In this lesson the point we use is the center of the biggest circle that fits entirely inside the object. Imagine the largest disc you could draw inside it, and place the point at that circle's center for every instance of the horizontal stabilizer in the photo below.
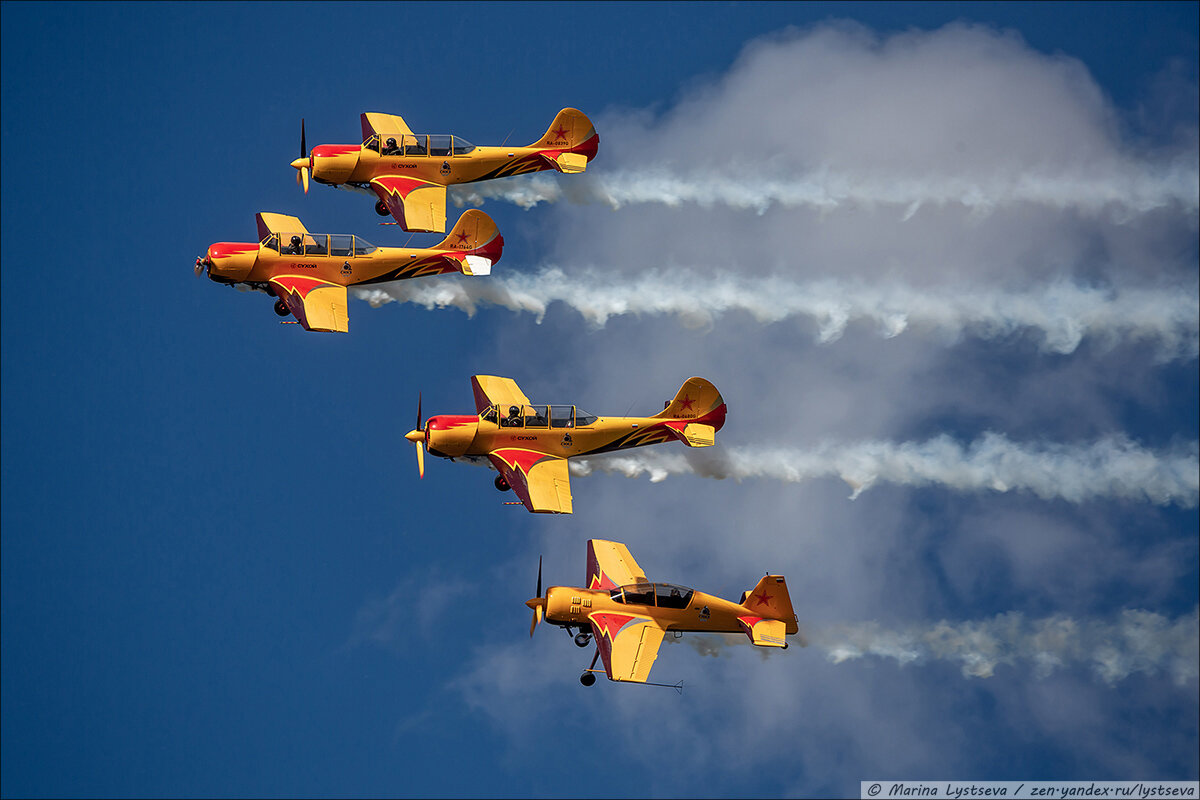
(764, 632)
(696, 434)
(477, 265)
(571, 163)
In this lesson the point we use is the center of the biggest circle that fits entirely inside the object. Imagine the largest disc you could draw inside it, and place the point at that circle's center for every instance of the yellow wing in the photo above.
(609, 565)
(540, 480)
(628, 643)
(384, 125)
(269, 222)
(416, 204)
(316, 304)
(491, 390)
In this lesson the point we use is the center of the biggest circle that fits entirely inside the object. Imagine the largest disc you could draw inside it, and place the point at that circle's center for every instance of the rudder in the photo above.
(477, 238)
(570, 128)
(770, 600)
(696, 399)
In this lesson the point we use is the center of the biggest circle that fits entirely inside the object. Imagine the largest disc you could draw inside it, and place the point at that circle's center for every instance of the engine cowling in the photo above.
(449, 435)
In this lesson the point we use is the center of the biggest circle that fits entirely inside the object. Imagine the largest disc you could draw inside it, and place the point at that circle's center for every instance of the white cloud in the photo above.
(937, 201)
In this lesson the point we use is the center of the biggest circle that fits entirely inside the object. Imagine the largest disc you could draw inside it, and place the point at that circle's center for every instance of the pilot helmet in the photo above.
(391, 142)
(296, 240)
(514, 411)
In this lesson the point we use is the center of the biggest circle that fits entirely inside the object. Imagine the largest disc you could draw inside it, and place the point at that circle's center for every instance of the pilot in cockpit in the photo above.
(392, 149)
(514, 418)
(295, 248)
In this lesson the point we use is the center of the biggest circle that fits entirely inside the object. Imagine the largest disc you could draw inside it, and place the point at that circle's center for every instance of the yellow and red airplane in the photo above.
(628, 616)
(309, 272)
(409, 172)
(529, 445)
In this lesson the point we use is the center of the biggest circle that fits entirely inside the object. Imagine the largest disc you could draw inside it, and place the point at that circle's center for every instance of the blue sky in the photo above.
(221, 576)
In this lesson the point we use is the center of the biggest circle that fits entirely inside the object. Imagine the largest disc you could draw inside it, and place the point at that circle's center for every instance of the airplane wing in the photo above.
(541, 481)
(416, 204)
(318, 305)
(503, 392)
(383, 124)
(269, 223)
(609, 565)
(628, 644)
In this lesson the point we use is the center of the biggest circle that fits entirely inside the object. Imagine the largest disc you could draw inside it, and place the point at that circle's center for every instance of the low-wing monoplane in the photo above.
(529, 444)
(409, 172)
(308, 272)
(628, 616)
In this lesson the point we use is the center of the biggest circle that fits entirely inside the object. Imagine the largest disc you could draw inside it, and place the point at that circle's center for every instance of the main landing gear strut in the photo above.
(589, 677)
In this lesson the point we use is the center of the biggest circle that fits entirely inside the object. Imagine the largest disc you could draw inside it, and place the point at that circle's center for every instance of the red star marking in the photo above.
(686, 405)
(462, 237)
(561, 133)
(763, 599)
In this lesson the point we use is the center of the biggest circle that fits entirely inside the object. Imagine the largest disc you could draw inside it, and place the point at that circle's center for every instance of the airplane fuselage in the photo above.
(254, 263)
(454, 436)
(358, 164)
(568, 606)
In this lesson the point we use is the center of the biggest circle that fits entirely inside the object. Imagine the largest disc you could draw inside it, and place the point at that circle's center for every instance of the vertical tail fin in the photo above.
(571, 141)
(696, 400)
(477, 240)
(769, 614)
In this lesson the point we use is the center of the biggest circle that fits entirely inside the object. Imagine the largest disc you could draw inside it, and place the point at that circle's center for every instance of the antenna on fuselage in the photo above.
(510, 133)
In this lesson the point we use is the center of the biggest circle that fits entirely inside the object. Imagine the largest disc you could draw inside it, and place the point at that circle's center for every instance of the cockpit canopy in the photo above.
(515, 416)
(318, 244)
(663, 595)
(418, 144)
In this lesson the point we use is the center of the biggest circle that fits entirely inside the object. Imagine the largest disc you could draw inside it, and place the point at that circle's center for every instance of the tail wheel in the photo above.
(501, 483)
(583, 640)
(381, 209)
(281, 308)
(587, 678)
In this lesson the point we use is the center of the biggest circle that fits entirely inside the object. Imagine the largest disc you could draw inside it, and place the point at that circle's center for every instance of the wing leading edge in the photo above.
(541, 481)
(316, 304)
(416, 204)
(628, 644)
(492, 390)
(610, 564)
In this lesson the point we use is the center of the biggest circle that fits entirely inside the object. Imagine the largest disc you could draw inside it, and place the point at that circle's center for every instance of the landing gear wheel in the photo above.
(583, 640)
(381, 208)
(501, 484)
(587, 678)
(281, 308)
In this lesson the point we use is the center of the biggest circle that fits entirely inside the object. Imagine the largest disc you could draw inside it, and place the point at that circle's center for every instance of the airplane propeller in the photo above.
(201, 266)
(304, 162)
(417, 437)
(538, 604)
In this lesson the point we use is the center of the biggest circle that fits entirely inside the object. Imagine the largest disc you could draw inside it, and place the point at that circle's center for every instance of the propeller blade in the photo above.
(538, 604)
(303, 144)
(421, 459)
(537, 617)
(419, 426)
(304, 175)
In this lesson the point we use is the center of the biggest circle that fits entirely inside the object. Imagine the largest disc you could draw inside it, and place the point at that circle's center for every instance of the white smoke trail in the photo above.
(1062, 313)
(1125, 190)
(1137, 641)
(1113, 467)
